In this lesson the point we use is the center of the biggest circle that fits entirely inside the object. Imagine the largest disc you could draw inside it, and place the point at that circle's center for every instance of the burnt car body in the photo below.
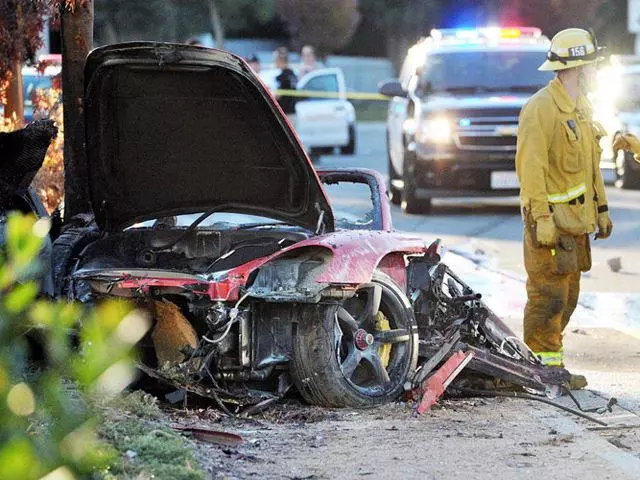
(209, 215)
(22, 153)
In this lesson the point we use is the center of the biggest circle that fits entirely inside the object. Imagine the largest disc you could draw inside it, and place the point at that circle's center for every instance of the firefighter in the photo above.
(629, 142)
(562, 194)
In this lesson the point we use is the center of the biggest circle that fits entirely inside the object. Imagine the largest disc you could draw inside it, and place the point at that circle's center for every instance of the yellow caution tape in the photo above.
(348, 95)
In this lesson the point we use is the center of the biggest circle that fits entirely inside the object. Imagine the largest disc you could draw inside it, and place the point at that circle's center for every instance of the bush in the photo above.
(49, 182)
(47, 422)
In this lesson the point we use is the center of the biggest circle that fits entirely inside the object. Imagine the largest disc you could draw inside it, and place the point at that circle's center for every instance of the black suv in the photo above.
(453, 117)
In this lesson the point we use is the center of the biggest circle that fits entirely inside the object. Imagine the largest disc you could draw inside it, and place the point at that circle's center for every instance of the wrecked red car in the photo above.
(210, 216)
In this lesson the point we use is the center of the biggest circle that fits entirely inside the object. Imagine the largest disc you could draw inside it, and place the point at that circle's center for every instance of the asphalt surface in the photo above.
(490, 229)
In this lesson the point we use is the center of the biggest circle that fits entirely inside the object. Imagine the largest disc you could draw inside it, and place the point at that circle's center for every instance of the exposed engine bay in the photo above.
(212, 342)
(202, 251)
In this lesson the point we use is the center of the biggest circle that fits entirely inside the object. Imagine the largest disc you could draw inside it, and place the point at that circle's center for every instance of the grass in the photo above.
(371, 110)
(145, 448)
(138, 403)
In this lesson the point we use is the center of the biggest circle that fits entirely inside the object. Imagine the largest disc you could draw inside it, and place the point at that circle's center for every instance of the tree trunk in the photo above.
(77, 40)
(15, 100)
(216, 23)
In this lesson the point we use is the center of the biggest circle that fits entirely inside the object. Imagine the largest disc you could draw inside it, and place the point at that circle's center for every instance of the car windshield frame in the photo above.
(477, 71)
(222, 220)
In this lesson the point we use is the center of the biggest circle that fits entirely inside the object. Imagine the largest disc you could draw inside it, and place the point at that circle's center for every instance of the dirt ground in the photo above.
(474, 438)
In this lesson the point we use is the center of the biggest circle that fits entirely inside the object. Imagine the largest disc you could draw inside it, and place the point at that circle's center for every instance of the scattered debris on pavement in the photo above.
(615, 264)
(211, 436)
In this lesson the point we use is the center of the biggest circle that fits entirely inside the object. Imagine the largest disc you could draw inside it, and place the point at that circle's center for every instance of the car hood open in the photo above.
(174, 129)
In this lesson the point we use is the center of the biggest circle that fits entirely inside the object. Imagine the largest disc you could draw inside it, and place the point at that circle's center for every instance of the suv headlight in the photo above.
(435, 130)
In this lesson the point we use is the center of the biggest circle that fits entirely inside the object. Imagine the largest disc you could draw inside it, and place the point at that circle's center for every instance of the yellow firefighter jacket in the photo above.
(558, 160)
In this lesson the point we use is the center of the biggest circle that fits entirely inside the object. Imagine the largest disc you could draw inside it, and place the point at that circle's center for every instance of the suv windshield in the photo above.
(484, 71)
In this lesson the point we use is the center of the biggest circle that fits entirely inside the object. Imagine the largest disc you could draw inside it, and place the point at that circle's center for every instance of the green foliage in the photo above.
(124, 20)
(154, 451)
(176, 20)
(138, 403)
(46, 420)
(368, 111)
(328, 25)
(132, 424)
(238, 15)
(20, 24)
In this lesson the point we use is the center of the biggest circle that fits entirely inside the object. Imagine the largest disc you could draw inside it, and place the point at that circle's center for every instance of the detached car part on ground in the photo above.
(210, 216)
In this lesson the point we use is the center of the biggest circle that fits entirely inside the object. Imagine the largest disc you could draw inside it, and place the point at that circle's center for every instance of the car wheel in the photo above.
(350, 148)
(65, 249)
(627, 172)
(357, 353)
(410, 202)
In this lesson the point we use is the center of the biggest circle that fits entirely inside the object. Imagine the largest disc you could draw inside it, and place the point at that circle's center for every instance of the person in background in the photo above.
(254, 63)
(286, 80)
(309, 64)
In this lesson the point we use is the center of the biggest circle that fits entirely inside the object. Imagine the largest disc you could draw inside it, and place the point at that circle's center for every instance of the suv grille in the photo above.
(481, 128)
(489, 142)
(488, 112)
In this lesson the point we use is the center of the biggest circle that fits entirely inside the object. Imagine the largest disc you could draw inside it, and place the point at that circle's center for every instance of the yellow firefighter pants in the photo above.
(553, 287)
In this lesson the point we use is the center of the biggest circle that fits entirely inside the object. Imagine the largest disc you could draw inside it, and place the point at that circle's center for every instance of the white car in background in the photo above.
(617, 107)
(322, 123)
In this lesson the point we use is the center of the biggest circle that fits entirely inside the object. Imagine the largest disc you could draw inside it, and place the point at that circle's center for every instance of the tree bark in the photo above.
(216, 23)
(77, 41)
(15, 97)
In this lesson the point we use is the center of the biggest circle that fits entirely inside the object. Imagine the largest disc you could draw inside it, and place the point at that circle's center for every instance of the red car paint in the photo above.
(355, 256)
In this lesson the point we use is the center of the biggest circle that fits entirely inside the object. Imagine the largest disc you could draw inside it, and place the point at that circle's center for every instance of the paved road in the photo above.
(493, 226)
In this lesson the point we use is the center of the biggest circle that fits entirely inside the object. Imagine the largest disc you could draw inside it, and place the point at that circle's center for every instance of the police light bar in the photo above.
(486, 34)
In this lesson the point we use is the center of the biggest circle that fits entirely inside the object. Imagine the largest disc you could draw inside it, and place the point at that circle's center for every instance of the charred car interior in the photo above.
(208, 214)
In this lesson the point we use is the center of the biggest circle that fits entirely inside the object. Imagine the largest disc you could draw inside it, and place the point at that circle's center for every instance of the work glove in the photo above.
(546, 231)
(628, 142)
(605, 226)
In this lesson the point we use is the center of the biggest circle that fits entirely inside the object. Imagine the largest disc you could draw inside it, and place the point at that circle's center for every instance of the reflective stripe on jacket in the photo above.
(558, 160)
(551, 359)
